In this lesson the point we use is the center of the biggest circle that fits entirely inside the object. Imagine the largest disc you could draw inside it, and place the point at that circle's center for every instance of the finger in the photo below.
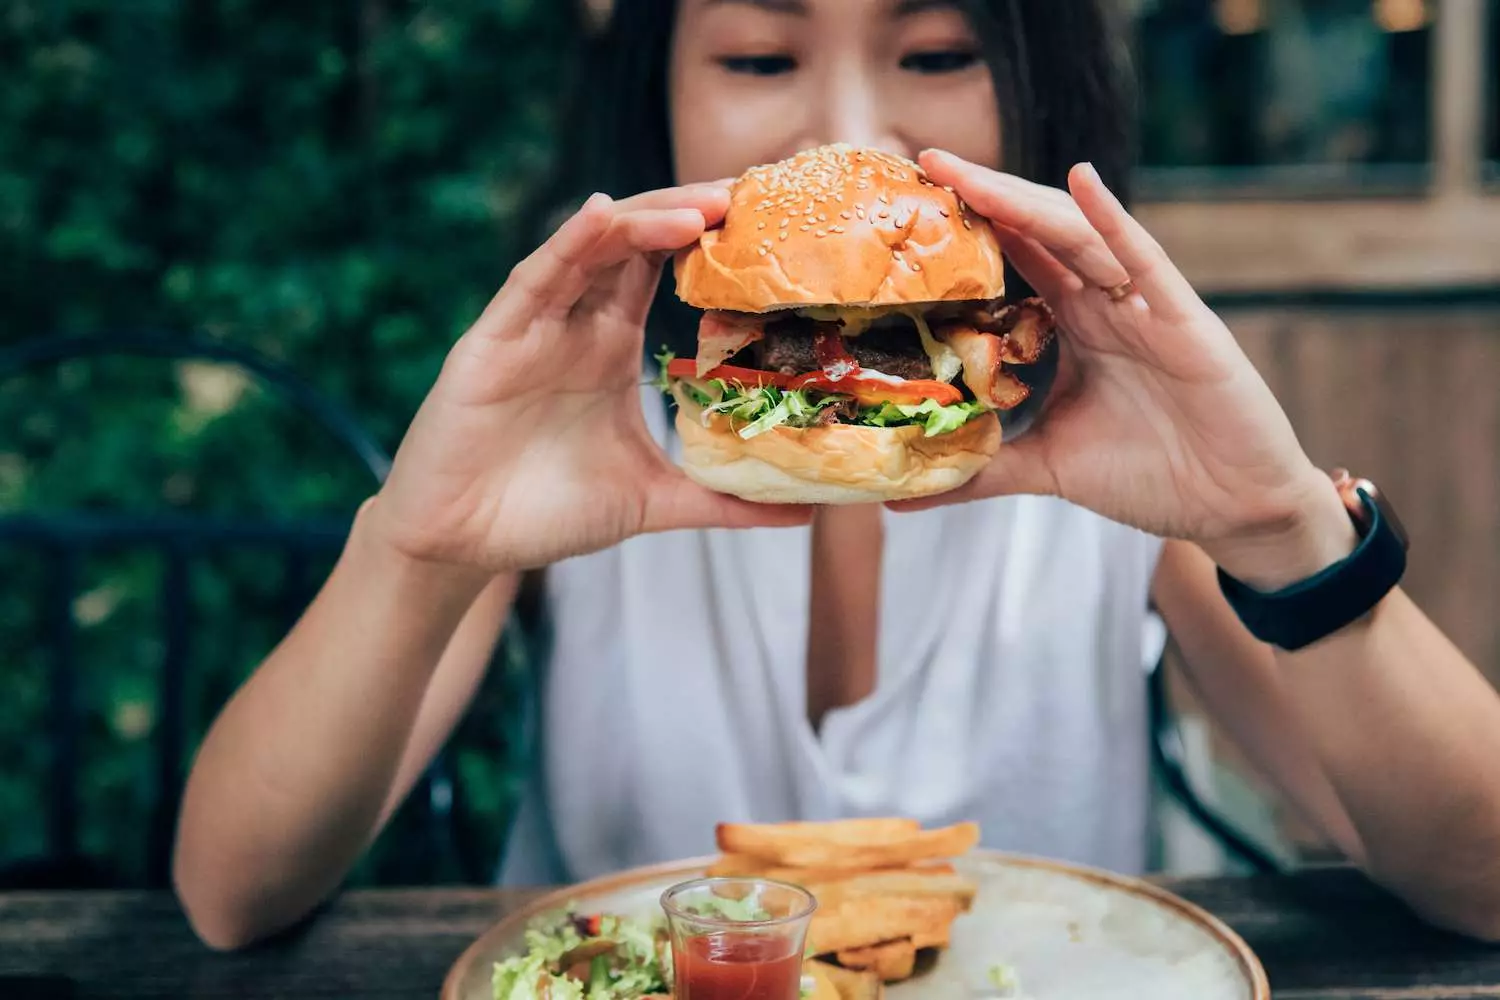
(1042, 271)
(599, 235)
(639, 283)
(627, 293)
(676, 502)
(547, 280)
(711, 199)
(627, 261)
(1018, 468)
(1040, 213)
(647, 231)
(1158, 280)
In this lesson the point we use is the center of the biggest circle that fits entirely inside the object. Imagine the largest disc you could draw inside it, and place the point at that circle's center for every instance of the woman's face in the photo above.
(754, 81)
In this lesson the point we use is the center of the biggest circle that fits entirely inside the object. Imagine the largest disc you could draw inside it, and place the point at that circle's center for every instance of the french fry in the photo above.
(937, 934)
(823, 988)
(810, 846)
(742, 865)
(851, 984)
(885, 890)
(759, 840)
(892, 961)
(919, 882)
(862, 922)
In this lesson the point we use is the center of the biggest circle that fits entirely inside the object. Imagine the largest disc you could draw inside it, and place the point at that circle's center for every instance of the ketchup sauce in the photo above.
(732, 966)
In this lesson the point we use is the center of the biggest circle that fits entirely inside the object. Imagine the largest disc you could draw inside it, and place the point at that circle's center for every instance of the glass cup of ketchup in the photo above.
(737, 938)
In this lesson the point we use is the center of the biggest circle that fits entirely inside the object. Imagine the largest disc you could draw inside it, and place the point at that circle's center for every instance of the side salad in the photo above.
(603, 957)
(588, 957)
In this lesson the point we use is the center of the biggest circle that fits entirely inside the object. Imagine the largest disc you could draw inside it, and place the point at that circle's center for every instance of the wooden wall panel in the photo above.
(1411, 398)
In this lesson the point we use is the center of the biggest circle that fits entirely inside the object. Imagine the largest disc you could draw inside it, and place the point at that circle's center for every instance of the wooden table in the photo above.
(1327, 935)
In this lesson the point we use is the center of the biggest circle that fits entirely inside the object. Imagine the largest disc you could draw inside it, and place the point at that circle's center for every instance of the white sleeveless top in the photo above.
(1010, 690)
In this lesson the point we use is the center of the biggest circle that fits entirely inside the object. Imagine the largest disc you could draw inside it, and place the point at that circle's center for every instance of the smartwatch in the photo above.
(1311, 609)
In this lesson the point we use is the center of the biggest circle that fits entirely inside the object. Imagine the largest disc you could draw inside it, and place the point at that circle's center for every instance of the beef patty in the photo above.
(894, 349)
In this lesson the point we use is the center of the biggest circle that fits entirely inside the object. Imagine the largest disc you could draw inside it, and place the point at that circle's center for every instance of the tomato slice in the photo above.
(873, 391)
(688, 368)
(868, 391)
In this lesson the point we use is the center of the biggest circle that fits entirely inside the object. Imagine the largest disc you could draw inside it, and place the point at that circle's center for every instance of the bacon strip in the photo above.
(1012, 335)
(722, 335)
(983, 355)
(1026, 327)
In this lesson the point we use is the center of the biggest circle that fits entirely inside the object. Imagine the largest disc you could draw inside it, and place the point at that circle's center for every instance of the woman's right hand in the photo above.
(532, 446)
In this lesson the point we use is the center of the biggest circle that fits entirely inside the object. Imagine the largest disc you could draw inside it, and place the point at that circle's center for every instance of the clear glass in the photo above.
(737, 938)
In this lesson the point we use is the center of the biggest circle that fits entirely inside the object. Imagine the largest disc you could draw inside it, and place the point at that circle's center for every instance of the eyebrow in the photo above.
(906, 8)
(902, 8)
(798, 7)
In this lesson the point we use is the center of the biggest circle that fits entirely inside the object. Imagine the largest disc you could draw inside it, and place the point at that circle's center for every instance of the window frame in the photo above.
(1438, 228)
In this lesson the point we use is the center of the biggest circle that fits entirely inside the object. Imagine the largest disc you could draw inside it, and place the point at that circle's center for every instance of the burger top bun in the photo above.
(842, 226)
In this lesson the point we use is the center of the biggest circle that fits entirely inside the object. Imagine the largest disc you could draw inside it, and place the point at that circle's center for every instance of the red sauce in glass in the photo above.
(736, 967)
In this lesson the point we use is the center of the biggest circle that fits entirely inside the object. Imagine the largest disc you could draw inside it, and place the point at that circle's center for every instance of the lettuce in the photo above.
(932, 415)
(663, 358)
(753, 410)
(761, 408)
(635, 968)
(725, 908)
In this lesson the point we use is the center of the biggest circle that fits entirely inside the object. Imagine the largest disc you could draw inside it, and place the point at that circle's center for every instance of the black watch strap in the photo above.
(1311, 609)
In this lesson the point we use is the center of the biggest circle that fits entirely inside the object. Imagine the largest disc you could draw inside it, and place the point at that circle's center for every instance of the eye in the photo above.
(939, 61)
(767, 65)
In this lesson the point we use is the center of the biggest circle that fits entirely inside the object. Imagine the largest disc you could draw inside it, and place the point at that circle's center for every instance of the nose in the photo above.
(852, 111)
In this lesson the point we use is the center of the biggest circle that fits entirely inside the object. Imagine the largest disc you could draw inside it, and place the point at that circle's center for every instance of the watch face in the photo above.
(1355, 492)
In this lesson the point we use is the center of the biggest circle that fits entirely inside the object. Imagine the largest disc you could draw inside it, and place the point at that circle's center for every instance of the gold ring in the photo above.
(1122, 291)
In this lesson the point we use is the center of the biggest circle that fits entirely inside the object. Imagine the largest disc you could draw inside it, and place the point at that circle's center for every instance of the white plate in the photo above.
(1070, 933)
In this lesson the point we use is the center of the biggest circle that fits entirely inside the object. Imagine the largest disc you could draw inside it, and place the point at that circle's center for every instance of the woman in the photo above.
(975, 661)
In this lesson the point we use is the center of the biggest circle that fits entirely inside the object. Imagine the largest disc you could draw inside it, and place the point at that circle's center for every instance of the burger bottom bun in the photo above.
(836, 464)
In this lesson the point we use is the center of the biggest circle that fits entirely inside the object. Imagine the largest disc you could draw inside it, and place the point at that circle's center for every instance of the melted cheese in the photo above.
(871, 375)
(855, 319)
(946, 364)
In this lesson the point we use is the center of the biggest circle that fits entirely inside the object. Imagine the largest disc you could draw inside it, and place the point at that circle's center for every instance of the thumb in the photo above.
(673, 501)
(1018, 468)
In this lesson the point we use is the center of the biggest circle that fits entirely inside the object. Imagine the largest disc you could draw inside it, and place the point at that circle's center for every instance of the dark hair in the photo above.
(1061, 82)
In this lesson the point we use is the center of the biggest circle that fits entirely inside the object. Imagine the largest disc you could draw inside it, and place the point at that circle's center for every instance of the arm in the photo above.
(537, 404)
(1383, 732)
(316, 751)
(1236, 679)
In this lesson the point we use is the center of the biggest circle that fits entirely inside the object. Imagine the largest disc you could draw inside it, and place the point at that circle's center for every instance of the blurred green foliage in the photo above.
(335, 185)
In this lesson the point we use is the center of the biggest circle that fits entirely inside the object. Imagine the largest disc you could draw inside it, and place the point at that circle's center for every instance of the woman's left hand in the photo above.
(1158, 419)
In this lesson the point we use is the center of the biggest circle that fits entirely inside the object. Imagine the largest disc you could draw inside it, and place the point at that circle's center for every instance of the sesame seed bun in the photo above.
(833, 464)
(841, 226)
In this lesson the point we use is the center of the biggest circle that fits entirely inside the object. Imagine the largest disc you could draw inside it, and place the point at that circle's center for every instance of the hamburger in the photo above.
(856, 345)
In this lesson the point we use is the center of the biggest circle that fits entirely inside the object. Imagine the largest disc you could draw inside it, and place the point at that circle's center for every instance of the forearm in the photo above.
(1409, 733)
(290, 781)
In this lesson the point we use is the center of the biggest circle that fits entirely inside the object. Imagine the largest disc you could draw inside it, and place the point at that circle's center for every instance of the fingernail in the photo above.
(598, 198)
(1088, 173)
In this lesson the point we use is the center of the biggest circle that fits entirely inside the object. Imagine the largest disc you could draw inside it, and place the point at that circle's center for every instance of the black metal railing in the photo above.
(67, 538)
(1169, 760)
